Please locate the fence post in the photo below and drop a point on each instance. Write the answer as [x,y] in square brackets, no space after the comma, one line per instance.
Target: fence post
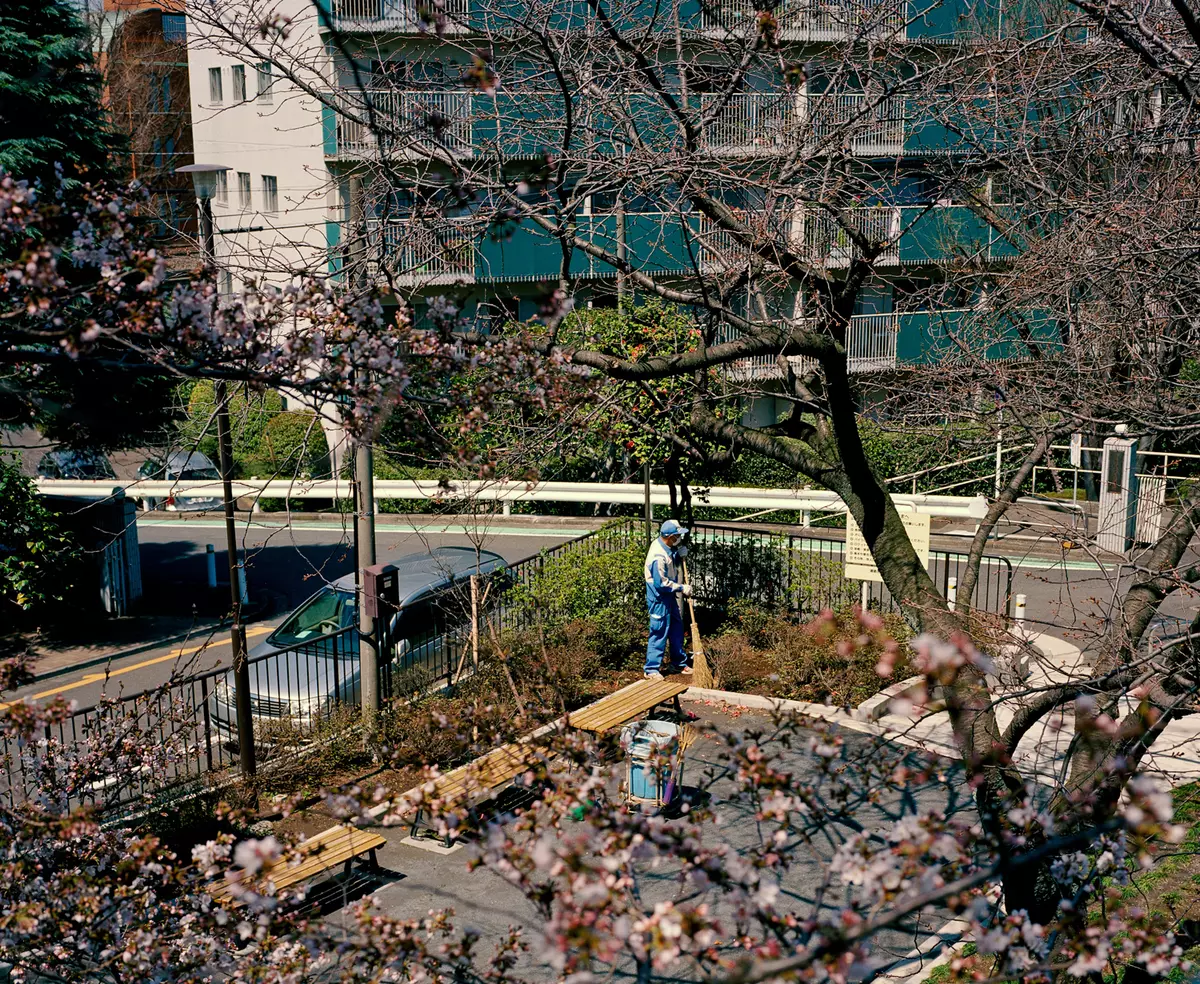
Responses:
[952,592]
[475,621]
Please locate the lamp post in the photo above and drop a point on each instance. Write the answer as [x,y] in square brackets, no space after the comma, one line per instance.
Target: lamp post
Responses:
[204,181]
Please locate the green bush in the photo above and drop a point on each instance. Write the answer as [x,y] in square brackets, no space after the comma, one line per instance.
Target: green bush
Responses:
[604,592]
[39,558]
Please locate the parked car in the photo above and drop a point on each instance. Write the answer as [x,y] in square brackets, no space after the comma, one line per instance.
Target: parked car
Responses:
[182,466]
[310,663]
[67,464]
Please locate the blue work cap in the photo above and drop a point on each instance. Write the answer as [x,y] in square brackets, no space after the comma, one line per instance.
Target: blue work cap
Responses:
[672,528]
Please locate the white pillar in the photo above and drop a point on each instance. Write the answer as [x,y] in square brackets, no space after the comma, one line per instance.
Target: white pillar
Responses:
[210,560]
[1019,614]
[952,592]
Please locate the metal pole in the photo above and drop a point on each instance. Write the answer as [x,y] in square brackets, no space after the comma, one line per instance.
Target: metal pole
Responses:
[368,652]
[620,253]
[237,633]
[649,505]
[475,622]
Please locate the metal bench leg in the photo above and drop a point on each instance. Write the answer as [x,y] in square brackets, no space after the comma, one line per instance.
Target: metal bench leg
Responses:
[347,867]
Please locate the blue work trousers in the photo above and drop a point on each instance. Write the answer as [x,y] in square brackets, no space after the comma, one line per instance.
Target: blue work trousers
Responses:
[666,630]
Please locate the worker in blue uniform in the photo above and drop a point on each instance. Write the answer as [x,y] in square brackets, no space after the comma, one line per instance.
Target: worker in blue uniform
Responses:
[663,588]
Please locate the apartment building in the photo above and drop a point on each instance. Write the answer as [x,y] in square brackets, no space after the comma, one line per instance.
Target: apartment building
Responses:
[144,61]
[398,141]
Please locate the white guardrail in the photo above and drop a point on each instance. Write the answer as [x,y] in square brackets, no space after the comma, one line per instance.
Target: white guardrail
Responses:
[803,500]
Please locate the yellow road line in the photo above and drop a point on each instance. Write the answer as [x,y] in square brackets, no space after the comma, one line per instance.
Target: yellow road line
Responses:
[90,678]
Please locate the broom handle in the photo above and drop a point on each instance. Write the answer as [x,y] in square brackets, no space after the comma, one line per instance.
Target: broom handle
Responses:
[701,667]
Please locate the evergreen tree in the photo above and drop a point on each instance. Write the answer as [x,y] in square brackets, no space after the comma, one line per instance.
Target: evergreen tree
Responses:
[49,94]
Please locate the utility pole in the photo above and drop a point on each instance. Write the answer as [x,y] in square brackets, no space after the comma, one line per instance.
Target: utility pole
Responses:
[368,637]
[237,632]
[204,182]
[649,505]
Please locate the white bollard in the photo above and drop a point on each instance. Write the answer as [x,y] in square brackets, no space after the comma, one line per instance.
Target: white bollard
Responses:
[805,518]
[952,592]
[242,585]
[1020,609]
[864,595]
[255,506]
[210,559]
[506,508]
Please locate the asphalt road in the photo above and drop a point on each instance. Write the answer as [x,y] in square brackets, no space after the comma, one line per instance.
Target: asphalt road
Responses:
[284,565]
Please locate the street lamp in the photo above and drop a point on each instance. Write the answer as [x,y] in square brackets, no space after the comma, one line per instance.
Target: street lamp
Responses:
[204,181]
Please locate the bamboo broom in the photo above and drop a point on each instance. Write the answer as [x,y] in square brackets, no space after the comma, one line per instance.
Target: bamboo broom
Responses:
[702,675]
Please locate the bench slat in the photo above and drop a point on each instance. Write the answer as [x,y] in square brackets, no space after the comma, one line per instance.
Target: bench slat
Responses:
[324,850]
[626,704]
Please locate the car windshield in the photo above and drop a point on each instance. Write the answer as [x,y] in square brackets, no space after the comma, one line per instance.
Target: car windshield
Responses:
[199,473]
[323,614]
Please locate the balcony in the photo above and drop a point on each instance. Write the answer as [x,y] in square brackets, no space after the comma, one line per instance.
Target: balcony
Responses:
[807,20]
[393,16]
[797,20]
[870,347]
[415,254]
[415,124]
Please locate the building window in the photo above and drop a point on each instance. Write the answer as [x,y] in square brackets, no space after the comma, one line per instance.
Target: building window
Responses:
[216,92]
[238,72]
[264,82]
[221,191]
[159,93]
[243,189]
[226,288]
[270,193]
[174,27]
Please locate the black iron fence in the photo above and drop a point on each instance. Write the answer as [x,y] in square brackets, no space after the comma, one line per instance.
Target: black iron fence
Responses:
[157,743]
[803,573]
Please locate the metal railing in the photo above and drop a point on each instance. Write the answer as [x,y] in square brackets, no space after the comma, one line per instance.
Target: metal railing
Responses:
[827,242]
[806,20]
[393,15]
[419,122]
[870,347]
[412,252]
[803,573]
[749,121]
[379,122]
[861,123]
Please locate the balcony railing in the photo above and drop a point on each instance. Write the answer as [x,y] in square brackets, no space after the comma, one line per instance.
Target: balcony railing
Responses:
[411,253]
[808,20]
[382,122]
[827,242]
[870,347]
[395,15]
[861,123]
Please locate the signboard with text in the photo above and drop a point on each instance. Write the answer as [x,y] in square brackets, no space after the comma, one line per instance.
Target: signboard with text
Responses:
[860,565]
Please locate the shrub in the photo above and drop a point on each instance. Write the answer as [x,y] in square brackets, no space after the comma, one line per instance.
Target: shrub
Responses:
[605,592]
[831,659]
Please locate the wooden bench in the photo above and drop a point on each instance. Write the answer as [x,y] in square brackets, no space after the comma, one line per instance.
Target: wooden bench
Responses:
[629,703]
[320,853]
[478,780]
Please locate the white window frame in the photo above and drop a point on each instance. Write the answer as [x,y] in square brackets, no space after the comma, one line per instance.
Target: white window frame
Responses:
[263,71]
[270,193]
[237,79]
[245,199]
[216,87]
[221,188]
